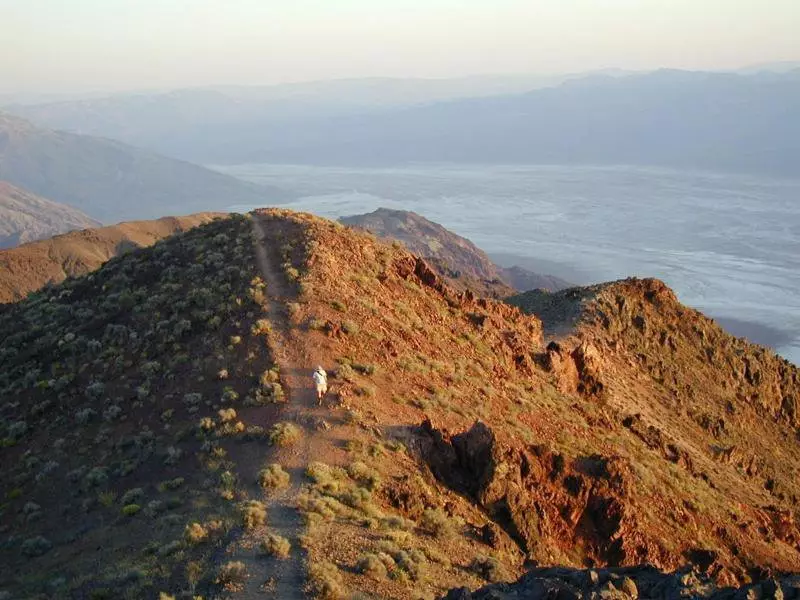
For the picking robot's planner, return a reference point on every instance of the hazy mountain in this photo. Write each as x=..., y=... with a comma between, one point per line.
x=161, y=437
x=111, y=181
x=669, y=118
x=717, y=121
x=219, y=124
x=25, y=217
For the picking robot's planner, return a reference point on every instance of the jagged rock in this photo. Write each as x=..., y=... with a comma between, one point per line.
x=633, y=582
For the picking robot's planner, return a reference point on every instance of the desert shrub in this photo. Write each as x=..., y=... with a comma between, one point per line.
x=229, y=395
x=227, y=415
x=345, y=372
x=275, y=545
x=273, y=477
x=171, y=484
x=488, y=567
x=130, y=510
x=284, y=434
x=323, y=474
x=254, y=514
x=36, y=546
x=261, y=327
x=325, y=581
x=106, y=498
x=364, y=369
x=195, y=533
x=85, y=415
x=372, y=566
x=192, y=399
x=132, y=496
x=336, y=305
x=97, y=476
x=350, y=327
x=364, y=474
x=232, y=574
x=365, y=390
x=317, y=324
x=436, y=522
x=396, y=523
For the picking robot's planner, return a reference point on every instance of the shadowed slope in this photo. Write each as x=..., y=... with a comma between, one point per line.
x=27, y=268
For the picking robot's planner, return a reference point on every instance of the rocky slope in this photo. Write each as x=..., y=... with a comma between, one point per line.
x=461, y=262
x=25, y=217
x=111, y=181
x=167, y=396
x=625, y=583
x=27, y=268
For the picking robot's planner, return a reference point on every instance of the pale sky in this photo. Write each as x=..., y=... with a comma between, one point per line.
x=80, y=45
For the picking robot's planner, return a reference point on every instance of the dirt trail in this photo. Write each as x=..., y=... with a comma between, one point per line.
x=272, y=577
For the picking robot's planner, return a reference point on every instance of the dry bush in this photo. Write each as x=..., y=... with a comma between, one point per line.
x=284, y=434
x=195, y=533
x=226, y=415
x=232, y=575
x=489, y=568
x=273, y=477
x=275, y=545
x=254, y=514
x=371, y=565
x=436, y=522
x=261, y=327
x=325, y=581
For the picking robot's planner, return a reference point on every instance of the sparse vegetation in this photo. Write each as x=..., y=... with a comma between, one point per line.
x=325, y=581
x=254, y=514
x=273, y=477
x=232, y=575
x=275, y=545
x=437, y=523
x=284, y=434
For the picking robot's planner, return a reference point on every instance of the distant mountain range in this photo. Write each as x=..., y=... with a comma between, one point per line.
x=25, y=217
x=746, y=122
x=111, y=181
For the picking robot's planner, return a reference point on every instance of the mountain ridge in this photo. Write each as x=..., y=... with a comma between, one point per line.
x=27, y=268
x=454, y=448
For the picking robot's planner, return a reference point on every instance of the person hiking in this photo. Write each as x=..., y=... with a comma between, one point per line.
x=320, y=378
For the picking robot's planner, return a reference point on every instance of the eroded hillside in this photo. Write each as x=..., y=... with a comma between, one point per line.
x=168, y=398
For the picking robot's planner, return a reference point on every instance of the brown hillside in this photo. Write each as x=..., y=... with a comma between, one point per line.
x=168, y=399
x=462, y=263
x=610, y=449
x=25, y=217
x=27, y=268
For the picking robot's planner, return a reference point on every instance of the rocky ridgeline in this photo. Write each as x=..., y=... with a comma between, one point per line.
x=626, y=583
